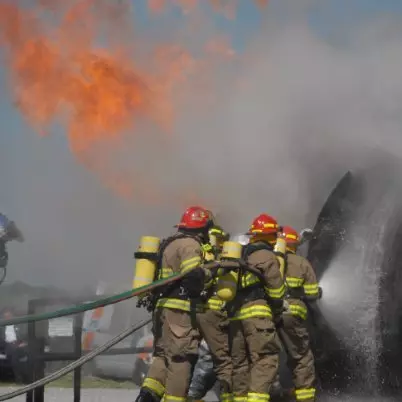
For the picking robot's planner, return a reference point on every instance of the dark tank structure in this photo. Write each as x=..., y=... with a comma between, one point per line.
x=357, y=248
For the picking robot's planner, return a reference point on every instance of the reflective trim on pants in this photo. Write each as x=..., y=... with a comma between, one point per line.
x=240, y=398
x=226, y=397
x=211, y=304
x=253, y=311
x=254, y=397
x=304, y=394
x=171, y=398
x=154, y=386
x=298, y=311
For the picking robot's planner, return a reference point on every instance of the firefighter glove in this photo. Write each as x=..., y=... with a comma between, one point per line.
x=193, y=282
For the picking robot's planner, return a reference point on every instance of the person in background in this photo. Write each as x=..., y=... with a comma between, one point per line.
x=8, y=232
x=15, y=347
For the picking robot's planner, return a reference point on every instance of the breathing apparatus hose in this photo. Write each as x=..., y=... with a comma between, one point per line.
x=78, y=363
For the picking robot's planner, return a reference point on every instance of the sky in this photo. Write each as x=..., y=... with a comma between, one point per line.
x=76, y=230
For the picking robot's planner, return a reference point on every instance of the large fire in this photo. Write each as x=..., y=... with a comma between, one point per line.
x=71, y=65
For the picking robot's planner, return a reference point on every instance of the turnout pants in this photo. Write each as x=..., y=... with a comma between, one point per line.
x=214, y=326
x=295, y=339
x=255, y=347
x=176, y=341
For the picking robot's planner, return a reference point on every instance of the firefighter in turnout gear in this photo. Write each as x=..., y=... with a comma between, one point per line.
x=302, y=286
x=8, y=232
x=258, y=304
x=176, y=337
x=213, y=322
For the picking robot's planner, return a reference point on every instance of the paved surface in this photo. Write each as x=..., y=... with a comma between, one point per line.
x=88, y=395
x=129, y=395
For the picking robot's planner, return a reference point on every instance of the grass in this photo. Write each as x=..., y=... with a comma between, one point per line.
x=86, y=382
x=91, y=382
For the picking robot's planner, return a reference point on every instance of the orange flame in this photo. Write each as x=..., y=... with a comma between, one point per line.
x=70, y=68
x=59, y=75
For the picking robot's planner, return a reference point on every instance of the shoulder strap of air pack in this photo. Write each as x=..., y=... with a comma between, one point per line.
x=253, y=247
x=165, y=243
x=250, y=249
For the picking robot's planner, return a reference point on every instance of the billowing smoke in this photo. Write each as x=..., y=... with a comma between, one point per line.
x=272, y=130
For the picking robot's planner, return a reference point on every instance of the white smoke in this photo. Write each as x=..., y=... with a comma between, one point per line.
x=286, y=125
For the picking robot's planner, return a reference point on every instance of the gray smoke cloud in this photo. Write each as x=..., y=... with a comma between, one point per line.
x=287, y=123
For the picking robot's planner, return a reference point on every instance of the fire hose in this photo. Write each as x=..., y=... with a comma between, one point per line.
x=78, y=363
x=79, y=309
x=85, y=306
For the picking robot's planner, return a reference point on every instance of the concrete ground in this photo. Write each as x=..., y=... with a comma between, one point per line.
x=125, y=395
x=87, y=395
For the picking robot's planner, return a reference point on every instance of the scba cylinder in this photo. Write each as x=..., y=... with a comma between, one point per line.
x=280, y=251
x=231, y=250
x=146, y=261
x=227, y=284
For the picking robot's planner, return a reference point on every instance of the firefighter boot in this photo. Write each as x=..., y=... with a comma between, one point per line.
x=147, y=395
x=276, y=389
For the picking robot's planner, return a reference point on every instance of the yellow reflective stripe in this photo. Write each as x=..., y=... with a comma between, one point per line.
x=209, y=256
x=171, y=398
x=248, y=280
x=166, y=272
x=214, y=304
x=216, y=231
x=311, y=289
x=206, y=247
x=174, y=304
x=276, y=293
x=294, y=282
x=305, y=393
x=297, y=310
x=178, y=304
x=239, y=398
x=154, y=386
x=254, y=397
x=189, y=264
x=252, y=312
x=226, y=397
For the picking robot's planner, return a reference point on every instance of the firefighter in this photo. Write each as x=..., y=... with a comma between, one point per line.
x=213, y=324
x=302, y=286
x=176, y=337
x=258, y=304
x=8, y=232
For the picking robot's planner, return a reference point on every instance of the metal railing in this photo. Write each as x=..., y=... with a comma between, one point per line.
x=35, y=390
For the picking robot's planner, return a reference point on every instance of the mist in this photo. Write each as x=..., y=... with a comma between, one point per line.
x=286, y=123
